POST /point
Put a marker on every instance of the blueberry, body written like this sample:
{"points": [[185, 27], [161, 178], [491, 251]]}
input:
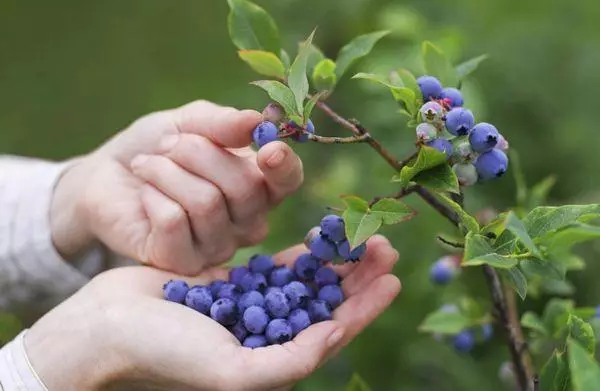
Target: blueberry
{"points": [[199, 298], [215, 287], [358, 252], [442, 145], [343, 249], [426, 132], [273, 112], [319, 311], [313, 233], [299, 320], [442, 271], [262, 264], [301, 137], [462, 151], [460, 121], [297, 293], [265, 133], [464, 341], [453, 96], [312, 294], [255, 319], [277, 304], [237, 273], [492, 164], [281, 275], [230, 291], [333, 228], [488, 331], [255, 341], [332, 295], [430, 87], [483, 137], [224, 311], [306, 266], [272, 289], [322, 248], [248, 299], [326, 276], [254, 282], [598, 312], [175, 290], [278, 331], [239, 331], [466, 174], [431, 112]]}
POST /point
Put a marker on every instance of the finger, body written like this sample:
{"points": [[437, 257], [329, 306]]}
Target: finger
{"points": [[169, 245], [282, 170], [225, 126], [279, 365], [238, 178], [203, 202]]}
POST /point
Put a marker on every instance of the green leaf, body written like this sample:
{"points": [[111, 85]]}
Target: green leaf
{"points": [[392, 211], [515, 278], [585, 372], [323, 77], [582, 332], [466, 68], [478, 252], [555, 373], [297, 79], [516, 226], [265, 63], [251, 27], [403, 95], [444, 322], [585, 312], [355, 49], [10, 327], [409, 81], [566, 237], [356, 203], [357, 383], [533, 322], [310, 105], [436, 64], [280, 93], [427, 158], [556, 315], [360, 226], [466, 220], [285, 59], [545, 219], [493, 260], [543, 269], [440, 178]]}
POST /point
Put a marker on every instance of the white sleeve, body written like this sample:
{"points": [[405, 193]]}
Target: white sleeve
{"points": [[16, 372]]}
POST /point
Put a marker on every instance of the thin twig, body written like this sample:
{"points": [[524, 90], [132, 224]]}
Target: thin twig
{"points": [[338, 140], [450, 242]]}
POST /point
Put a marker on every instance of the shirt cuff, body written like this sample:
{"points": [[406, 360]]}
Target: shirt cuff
{"points": [[16, 372]]}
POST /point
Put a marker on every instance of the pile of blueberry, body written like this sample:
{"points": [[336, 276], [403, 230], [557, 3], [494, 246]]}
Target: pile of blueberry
{"points": [[263, 304], [476, 151], [273, 127], [466, 340]]}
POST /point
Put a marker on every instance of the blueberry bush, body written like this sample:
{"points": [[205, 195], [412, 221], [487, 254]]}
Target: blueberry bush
{"points": [[525, 251]]}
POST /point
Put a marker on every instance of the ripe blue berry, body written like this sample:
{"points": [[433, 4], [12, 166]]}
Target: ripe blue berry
{"points": [[239, 331], [430, 87], [453, 96], [281, 275], [277, 304], [230, 291], [301, 137], [426, 132], [358, 252], [326, 276], [297, 294], [322, 248], [249, 299], [253, 282], [332, 295], [255, 319], [333, 228], [312, 294], [299, 320], [237, 273], [443, 271], [492, 164], [460, 121], [255, 341], [175, 291], [215, 287], [262, 264], [272, 289], [466, 174], [464, 341], [431, 112], [483, 137], [442, 145], [265, 133], [199, 298], [488, 331], [278, 331], [343, 249], [224, 311], [319, 311], [306, 266]]}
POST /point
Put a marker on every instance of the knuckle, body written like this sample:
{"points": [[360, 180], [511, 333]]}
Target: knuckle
{"points": [[258, 232], [171, 219], [208, 203]]}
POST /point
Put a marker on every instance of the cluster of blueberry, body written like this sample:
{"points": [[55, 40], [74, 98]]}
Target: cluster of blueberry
{"points": [[466, 340], [263, 304], [269, 130], [477, 151]]}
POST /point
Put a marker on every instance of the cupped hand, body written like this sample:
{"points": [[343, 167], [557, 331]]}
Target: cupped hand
{"points": [[179, 189], [117, 333]]}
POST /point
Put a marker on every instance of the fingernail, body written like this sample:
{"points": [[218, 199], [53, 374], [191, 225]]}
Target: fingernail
{"points": [[168, 142], [139, 160], [335, 337], [276, 159]]}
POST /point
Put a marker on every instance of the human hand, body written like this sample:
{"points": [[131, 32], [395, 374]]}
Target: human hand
{"points": [[117, 333], [179, 189]]}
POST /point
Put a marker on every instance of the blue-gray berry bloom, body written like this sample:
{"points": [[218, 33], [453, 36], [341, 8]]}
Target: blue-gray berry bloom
{"points": [[297, 293], [224, 311], [442, 145], [431, 112], [279, 331], [322, 248], [319, 311], [332, 295], [265, 133], [255, 319], [255, 341], [249, 299], [199, 298], [483, 137], [299, 320], [306, 266], [430, 87], [452, 96], [492, 164], [281, 275], [277, 304], [332, 226], [459, 121], [326, 276], [261, 263], [175, 291]]}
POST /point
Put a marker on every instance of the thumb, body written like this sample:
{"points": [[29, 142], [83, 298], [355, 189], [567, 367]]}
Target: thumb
{"points": [[224, 126]]}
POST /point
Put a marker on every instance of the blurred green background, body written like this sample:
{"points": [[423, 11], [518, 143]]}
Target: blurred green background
{"points": [[73, 73]]}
